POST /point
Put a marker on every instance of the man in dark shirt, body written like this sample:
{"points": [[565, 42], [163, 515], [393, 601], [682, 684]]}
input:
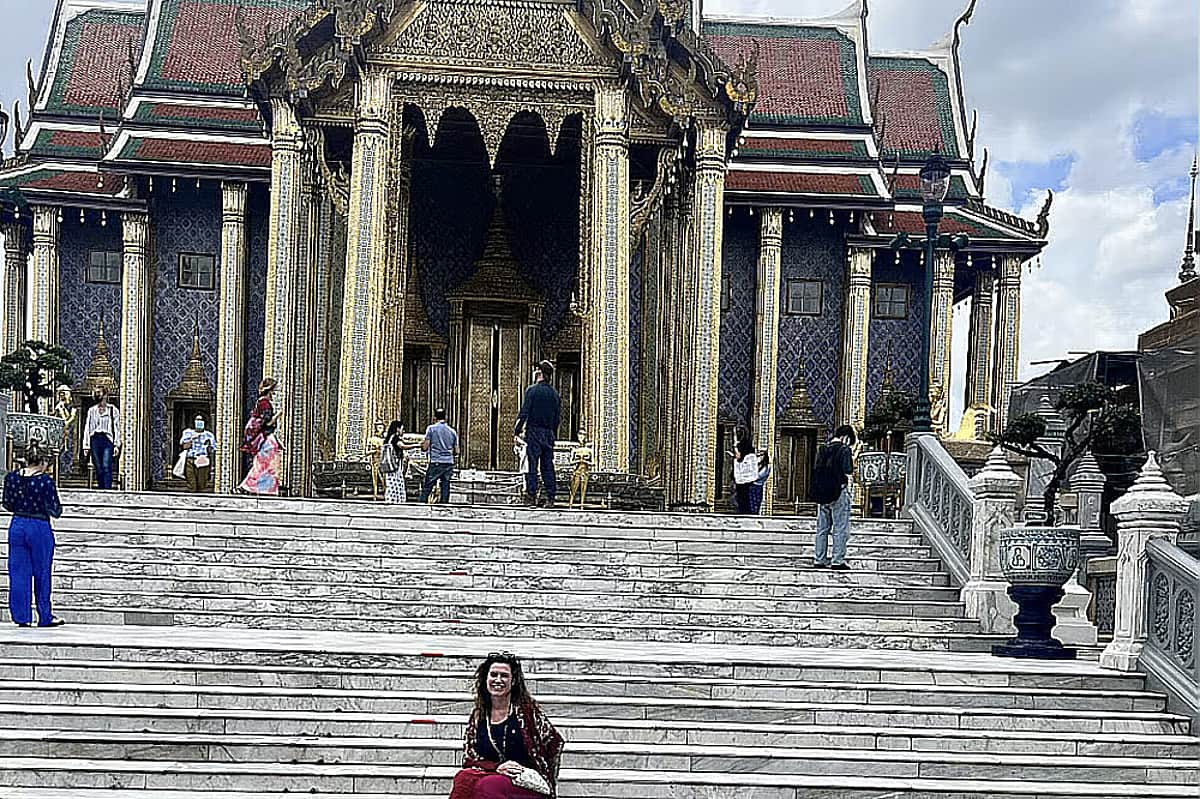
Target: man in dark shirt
{"points": [[831, 490], [539, 420]]}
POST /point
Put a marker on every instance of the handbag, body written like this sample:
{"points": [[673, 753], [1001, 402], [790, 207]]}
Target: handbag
{"points": [[531, 780], [180, 469], [389, 461]]}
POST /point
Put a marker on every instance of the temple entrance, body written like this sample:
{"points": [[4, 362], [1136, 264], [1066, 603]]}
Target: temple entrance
{"points": [[495, 377]]}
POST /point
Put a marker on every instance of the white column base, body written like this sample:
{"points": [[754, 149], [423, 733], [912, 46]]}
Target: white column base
{"points": [[988, 601], [1073, 627], [1122, 655]]}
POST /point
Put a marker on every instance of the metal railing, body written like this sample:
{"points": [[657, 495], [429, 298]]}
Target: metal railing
{"points": [[1173, 591], [941, 503]]}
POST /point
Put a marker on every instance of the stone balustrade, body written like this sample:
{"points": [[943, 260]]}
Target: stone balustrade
{"points": [[939, 499]]}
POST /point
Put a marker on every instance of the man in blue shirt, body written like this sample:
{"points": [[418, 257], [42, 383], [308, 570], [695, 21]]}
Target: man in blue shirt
{"points": [[539, 420], [441, 442]]}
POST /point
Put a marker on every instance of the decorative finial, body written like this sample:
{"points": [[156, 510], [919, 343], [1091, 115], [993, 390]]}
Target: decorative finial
{"points": [[1187, 270], [1150, 478], [1043, 217]]}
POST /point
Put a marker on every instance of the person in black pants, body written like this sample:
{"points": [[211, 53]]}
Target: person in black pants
{"points": [[539, 420]]}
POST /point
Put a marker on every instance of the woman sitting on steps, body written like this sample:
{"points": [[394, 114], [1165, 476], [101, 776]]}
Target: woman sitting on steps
{"points": [[511, 750]]}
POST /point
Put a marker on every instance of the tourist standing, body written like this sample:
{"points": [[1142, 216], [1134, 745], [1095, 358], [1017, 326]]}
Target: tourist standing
{"points": [[745, 469], [511, 750], [538, 421], [199, 447], [259, 441], [392, 458], [32, 499], [102, 436], [759, 486], [831, 492], [441, 442]]}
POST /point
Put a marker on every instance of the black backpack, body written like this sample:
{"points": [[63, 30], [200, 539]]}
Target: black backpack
{"points": [[828, 477]]}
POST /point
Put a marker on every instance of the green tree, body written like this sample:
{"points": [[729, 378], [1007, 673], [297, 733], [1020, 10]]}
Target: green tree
{"points": [[1095, 421], [891, 414], [35, 371]]}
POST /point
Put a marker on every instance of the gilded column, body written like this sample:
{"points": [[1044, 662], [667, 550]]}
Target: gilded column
{"points": [[1008, 335], [650, 399], [231, 337], [43, 317], [979, 346], [300, 414], [284, 251], [389, 384], [700, 427], [766, 360], [940, 334], [137, 286], [320, 225], [608, 323], [366, 260], [12, 311], [856, 335]]}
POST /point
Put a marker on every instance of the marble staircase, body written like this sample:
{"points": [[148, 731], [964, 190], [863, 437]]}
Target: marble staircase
{"points": [[236, 649]]}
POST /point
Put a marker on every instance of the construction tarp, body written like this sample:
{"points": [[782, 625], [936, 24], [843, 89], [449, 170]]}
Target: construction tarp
{"points": [[1169, 384]]}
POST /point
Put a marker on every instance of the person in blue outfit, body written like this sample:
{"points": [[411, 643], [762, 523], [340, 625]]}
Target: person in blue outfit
{"points": [[32, 499], [538, 421], [441, 442]]}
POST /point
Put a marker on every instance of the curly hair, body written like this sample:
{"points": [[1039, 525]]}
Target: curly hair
{"points": [[519, 694]]}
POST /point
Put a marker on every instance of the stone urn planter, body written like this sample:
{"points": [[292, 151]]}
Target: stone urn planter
{"points": [[35, 428], [1037, 560]]}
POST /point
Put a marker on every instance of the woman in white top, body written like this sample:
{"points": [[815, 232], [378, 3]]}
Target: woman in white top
{"points": [[745, 469], [102, 436]]}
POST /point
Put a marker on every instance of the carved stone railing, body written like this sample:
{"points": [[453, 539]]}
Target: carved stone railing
{"points": [[939, 500], [1172, 635]]}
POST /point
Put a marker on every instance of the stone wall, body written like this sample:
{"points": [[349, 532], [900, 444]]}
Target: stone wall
{"points": [[739, 271]]}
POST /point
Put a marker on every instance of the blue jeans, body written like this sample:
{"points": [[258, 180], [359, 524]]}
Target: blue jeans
{"points": [[437, 473], [30, 556], [102, 460], [833, 518], [539, 443]]}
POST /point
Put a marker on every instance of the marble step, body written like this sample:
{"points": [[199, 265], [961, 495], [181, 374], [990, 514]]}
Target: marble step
{"points": [[1051, 713], [315, 779], [353, 726], [366, 752]]}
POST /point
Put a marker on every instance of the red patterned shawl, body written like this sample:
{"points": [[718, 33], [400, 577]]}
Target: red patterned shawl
{"points": [[543, 743]]}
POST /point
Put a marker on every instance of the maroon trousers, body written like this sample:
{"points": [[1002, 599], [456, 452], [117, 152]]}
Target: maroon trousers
{"points": [[472, 783]]}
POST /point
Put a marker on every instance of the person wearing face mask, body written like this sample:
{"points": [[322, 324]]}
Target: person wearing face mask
{"points": [[199, 446], [102, 437]]}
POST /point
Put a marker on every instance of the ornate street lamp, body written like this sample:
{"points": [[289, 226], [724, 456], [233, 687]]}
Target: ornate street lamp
{"points": [[935, 183]]}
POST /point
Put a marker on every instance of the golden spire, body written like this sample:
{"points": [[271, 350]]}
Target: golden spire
{"points": [[101, 373], [1187, 270], [799, 410]]}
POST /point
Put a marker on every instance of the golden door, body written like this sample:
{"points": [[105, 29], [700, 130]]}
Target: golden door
{"points": [[495, 381]]}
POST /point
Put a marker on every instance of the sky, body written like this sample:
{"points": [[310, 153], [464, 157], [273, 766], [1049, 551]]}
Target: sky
{"points": [[1095, 99]]}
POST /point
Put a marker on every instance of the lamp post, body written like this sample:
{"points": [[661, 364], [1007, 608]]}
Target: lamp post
{"points": [[935, 183]]}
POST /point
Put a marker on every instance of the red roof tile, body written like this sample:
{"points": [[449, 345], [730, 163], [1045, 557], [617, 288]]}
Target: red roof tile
{"points": [[800, 183], [67, 181], [93, 64], [913, 104], [805, 74], [69, 144], [782, 149], [188, 151], [199, 116], [912, 222]]}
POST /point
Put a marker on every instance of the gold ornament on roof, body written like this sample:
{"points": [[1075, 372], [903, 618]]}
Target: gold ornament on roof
{"points": [[100, 374]]}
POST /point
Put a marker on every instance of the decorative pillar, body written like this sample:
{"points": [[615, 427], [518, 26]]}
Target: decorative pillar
{"points": [[856, 327], [366, 266], [650, 399], [319, 224], [231, 338], [389, 385], [1008, 335], [137, 287], [703, 307], [941, 332], [1149, 509], [43, 318], [985, 593], [766, 360], [1087, 483], [608, 323], [979, 349], [12, 310]]}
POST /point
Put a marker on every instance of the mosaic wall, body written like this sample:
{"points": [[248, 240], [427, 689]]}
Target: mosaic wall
{"points": [[258, 214], [739, 272], [900, 337], [81, 304], [813, 250], [187, 220]]}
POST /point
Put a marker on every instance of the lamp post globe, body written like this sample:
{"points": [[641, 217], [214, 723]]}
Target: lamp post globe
{"points": [[935, 184]]}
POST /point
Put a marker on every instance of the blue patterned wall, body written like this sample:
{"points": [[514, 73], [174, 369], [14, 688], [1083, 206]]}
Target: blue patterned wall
{"points": [[82, 305], [900, 336], [186, 220], [258, 214], [739, 265], [813, 250]]}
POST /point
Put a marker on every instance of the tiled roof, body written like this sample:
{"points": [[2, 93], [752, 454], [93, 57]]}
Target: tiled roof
{"points": [[800, 183], [195, 43], [69, 181], [914, 105], [908, 187], [82, 144], [191, 151], [93, 63], [180, 115], [952, 222], [789, 149], [806, 74]]}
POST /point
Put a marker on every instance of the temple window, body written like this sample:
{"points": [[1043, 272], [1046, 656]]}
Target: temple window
{"points": [[804, 298], [197, 271], [891, 301], [104, 266], [726, 293]]}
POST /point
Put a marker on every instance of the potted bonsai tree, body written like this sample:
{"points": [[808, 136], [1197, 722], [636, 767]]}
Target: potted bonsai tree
{"points": [[1039, 557], [35, 371]]}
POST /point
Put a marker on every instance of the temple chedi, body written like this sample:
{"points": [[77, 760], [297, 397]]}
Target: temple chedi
{"points": [[393, 205]]}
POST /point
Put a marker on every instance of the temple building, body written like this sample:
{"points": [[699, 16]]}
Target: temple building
{"points": [[392, 205]]}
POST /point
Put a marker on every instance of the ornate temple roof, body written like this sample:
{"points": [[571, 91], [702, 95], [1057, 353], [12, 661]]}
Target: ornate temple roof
{"points": [[917, 116]]}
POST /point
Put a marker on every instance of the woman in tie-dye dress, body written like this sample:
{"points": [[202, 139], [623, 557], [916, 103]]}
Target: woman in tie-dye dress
{"points": [[260, 442]]}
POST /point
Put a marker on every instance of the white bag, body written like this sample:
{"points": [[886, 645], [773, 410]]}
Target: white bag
{"points": [[180, 469], [531, 780]]}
